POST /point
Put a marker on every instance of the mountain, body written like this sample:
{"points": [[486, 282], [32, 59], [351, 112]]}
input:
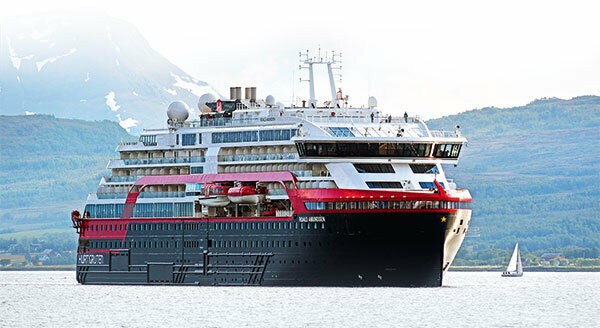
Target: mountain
{"points": [[533, 172], [88, 66]]}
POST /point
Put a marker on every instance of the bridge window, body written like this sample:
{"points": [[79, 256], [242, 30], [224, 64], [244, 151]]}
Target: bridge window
{"points": [[447, 150], [356, 149], [374, 168]]}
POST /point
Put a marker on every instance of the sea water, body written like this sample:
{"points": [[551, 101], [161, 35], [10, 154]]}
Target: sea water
{"points": [[467, 299]]}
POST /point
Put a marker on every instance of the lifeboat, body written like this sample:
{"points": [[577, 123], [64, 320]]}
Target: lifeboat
{"points": [[247, 194], [214, 195]]}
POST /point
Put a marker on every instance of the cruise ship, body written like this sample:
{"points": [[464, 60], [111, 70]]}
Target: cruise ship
{"points": [[255, 193]]}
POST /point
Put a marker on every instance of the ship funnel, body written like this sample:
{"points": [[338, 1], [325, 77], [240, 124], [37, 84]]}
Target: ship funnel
{"points": [[247, 93], [235, 93], [253, 93]]}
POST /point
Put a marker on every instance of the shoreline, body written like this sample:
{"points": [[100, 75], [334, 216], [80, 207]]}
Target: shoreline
{"points": [[489, 268]]}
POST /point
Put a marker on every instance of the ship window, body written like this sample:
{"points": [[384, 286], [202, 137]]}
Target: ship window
{"points": [[277, 135], [177, 139], [374, 168], [430, 185], [447, 150], [311, 206], [373, 149], [236, 136], [188, 139], [196, 170], [340, 132], [384, 184], [148, 140], [424, 168]]}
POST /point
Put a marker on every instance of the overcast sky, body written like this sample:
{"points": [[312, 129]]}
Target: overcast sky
{"points": [[430, 58]]}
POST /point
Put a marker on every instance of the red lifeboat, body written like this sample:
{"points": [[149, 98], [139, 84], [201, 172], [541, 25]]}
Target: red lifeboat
{"points": [[247, 194], [214, 195]]}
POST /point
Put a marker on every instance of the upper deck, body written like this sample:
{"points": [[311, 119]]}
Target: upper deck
{"points": [[307, 124]]}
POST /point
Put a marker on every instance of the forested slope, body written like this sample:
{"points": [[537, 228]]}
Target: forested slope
{"points": [[533, 172], [48, 165]]}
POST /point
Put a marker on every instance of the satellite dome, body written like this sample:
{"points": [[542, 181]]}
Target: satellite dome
{"points": [[178, 110], [372, 102], [206, 98], [270, 100]]}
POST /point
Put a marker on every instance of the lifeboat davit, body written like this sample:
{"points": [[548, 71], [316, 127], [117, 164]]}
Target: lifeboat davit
{"points": [[247, 194], [214, 195]]}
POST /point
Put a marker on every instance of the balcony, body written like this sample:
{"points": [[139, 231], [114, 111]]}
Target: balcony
{"points": [[258, 157], [158, 194], [151, 161], [109, 179], [120, 163]]}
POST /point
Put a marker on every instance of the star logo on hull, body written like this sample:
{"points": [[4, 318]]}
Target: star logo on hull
{"points": [[443, 219]]}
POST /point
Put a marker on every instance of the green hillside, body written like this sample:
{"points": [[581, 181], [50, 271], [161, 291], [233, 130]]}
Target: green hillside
{"points": [[533, 172], [48, 165]]}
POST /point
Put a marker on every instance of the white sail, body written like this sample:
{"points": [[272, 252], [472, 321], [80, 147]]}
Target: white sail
{"points": [[512, 265], [519, 264]]}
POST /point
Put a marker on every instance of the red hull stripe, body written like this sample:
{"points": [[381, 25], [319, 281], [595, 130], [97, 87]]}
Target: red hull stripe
{"points": [[299, 196]]}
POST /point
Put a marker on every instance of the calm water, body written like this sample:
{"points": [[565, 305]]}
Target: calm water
{"points": [[52, 299]]}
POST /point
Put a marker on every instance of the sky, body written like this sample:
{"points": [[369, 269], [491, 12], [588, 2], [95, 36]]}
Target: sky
{"points": [[429, 58]]}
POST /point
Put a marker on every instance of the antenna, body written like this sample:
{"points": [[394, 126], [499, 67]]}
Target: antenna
{"points": [[333, 62]]}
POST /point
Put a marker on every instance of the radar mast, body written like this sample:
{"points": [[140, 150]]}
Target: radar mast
{"points": [[333, 62]]}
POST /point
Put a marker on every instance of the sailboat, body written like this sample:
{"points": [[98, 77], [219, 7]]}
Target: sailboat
{"points": [[515, 267]]}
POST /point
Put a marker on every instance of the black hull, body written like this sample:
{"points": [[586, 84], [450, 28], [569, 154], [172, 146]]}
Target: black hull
{"points": [[348, 249]]}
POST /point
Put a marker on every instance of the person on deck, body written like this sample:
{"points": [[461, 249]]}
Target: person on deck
{"points": [[406, 117]]}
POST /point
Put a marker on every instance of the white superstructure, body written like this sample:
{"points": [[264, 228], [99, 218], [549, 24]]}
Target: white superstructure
{"points": [[327, 146]]}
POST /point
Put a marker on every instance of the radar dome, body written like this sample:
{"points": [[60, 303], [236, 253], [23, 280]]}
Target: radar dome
{"points": [[178, 110], [270, 100], [206, 98], [372, 102]]}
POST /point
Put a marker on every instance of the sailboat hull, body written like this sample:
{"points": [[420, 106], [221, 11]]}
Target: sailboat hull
{"points": [[512, 274]]}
